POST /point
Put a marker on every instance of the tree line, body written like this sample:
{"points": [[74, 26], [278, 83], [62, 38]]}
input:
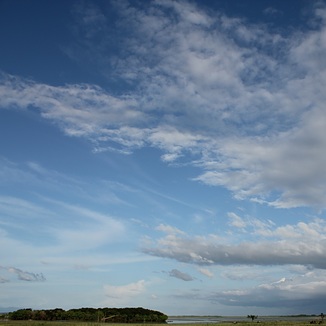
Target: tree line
{"points": [[109, 315]]}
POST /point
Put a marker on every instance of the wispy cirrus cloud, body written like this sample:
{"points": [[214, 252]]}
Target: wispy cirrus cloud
{"points": [[86, 229], [52, 196], [41, 179], [200, 87]]}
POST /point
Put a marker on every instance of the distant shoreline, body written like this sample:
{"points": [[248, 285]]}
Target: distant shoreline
{"points": [[229, 319]]}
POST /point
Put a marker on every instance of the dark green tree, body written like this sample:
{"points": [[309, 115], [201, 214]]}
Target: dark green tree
{"points": [[108, 315], [253, 317], [21, 314]]}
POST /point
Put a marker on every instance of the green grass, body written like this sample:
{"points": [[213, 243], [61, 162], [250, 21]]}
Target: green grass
{"points": [[72, 323], [46, 323]]}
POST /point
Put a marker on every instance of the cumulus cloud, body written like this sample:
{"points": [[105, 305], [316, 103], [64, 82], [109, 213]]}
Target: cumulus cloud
{"points": [[243, 104], [123, 294], [300, 244], [251, 168], [125, 290]]}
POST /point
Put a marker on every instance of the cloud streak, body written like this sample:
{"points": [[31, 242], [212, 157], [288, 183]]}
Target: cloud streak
{"points": [[23, 275], [180, 275]]}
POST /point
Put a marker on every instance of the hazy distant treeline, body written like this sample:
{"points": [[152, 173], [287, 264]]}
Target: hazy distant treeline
{"points": [[113, 315]]}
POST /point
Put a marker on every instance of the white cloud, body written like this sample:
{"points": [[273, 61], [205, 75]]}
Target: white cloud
{"points": [[301, 244], [236, 220], [87, 228], [206, 272], [202, 90], [19, 208], [169, 229], [32, 174], [75, 228], [91, 230], [124, 294], [270, 11], [188, 12], [291, 166]]}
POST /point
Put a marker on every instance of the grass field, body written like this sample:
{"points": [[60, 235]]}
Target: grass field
{"points": [[247, 323]]}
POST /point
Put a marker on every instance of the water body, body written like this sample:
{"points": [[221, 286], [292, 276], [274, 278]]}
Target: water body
{"points": [[233, 319]]}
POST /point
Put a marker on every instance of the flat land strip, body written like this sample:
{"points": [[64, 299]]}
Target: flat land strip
{"points": [[73, 323]]}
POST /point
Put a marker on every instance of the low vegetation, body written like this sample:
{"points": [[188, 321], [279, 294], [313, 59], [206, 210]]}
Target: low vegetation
{"points": [[139, 316], [76, 323], [108, 315]]}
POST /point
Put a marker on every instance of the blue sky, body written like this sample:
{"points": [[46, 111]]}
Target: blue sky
{"points": [[164, 154]]}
